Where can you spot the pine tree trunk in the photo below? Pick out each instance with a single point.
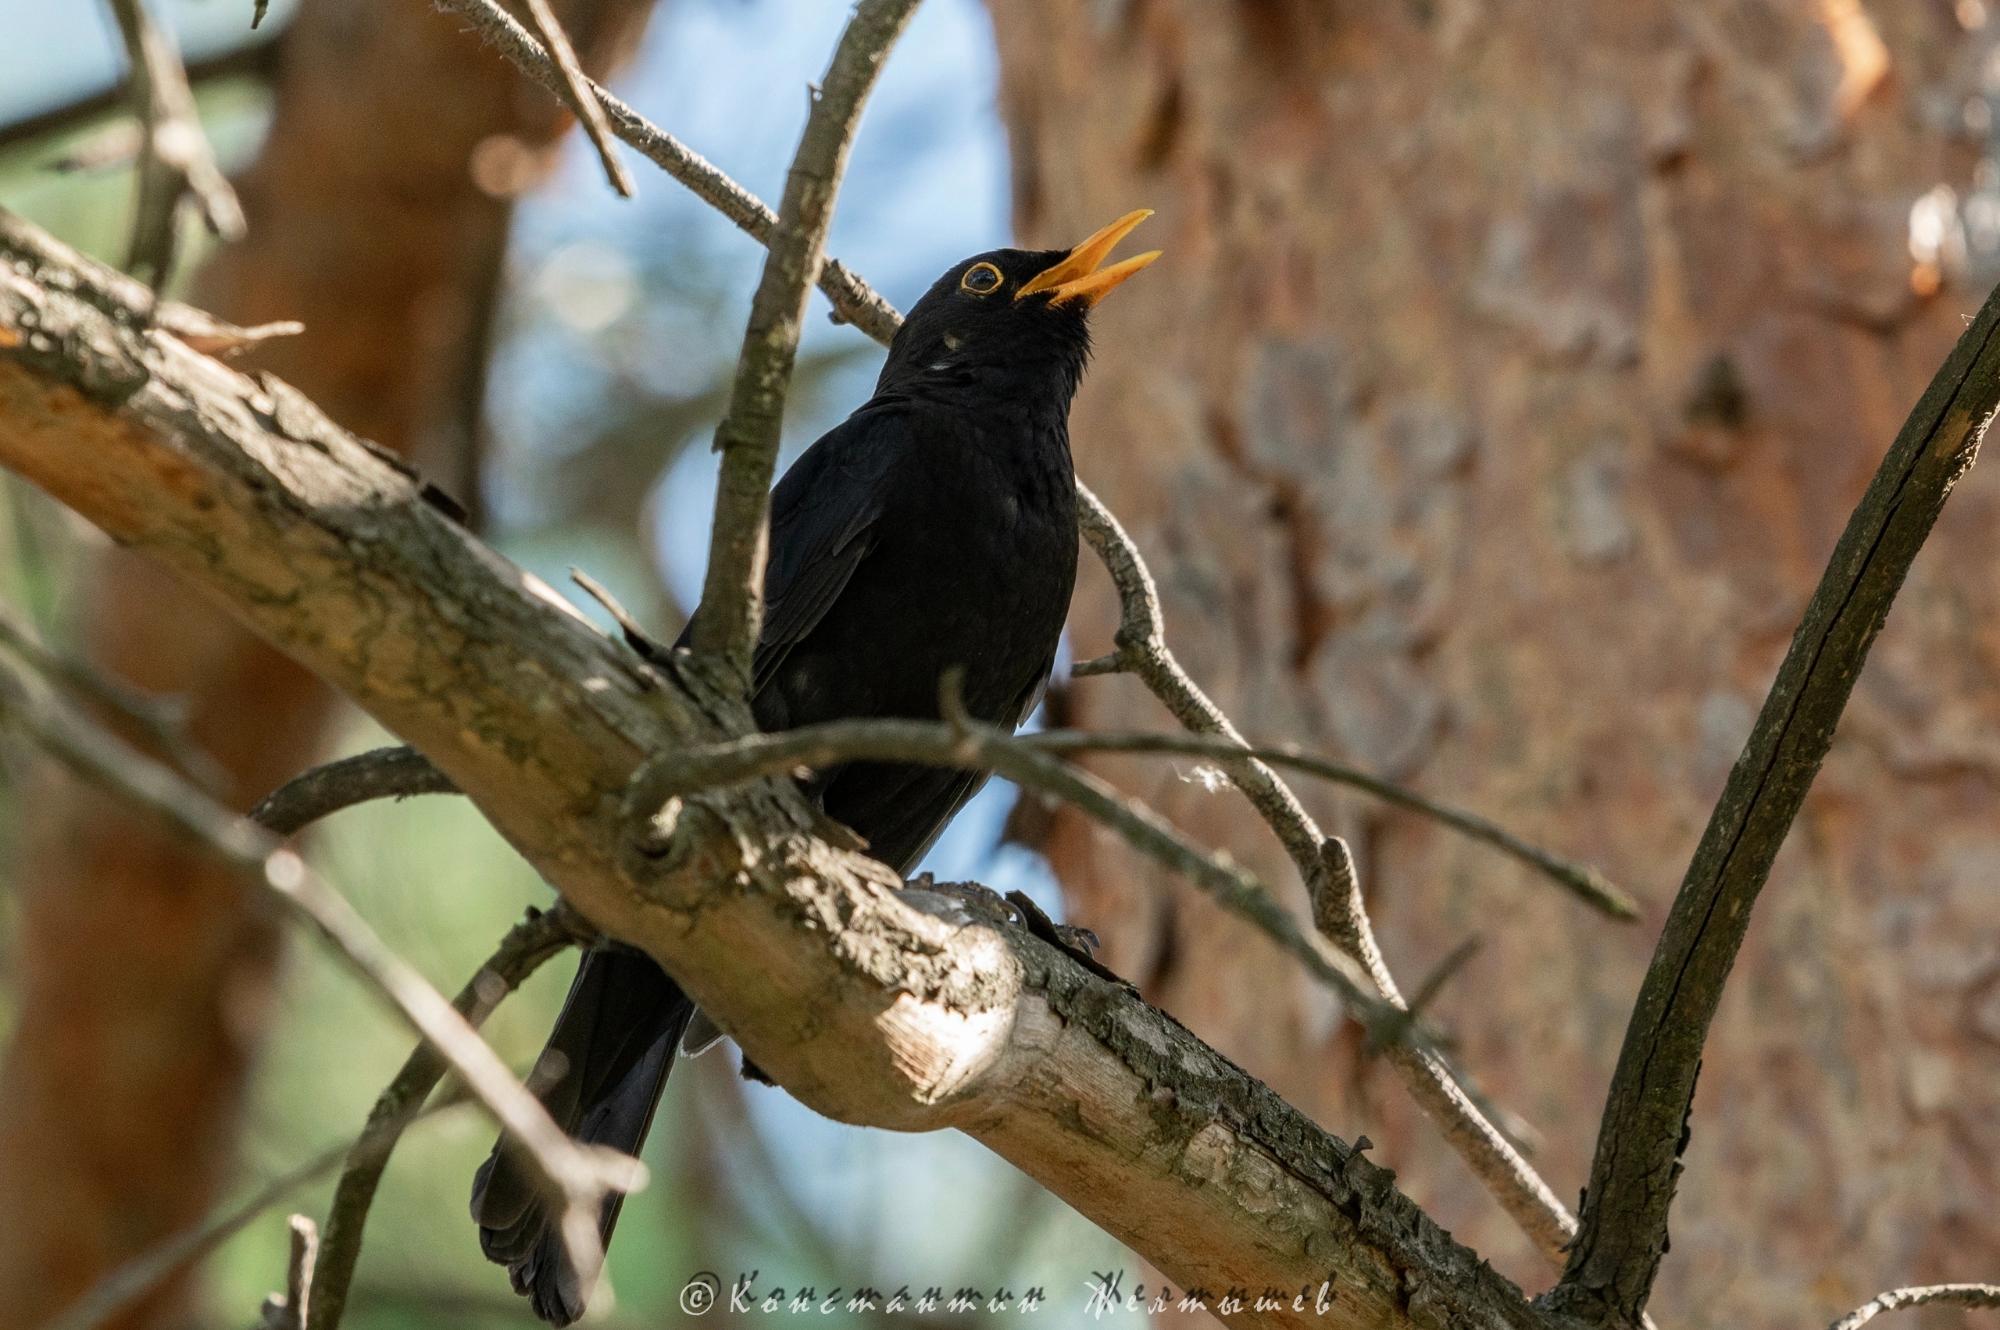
(1509, 375)
(378, 215)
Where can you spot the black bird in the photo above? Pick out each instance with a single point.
(934, 528)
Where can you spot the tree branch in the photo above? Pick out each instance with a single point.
(287, 1310)
(677, 773)
(123, 1287)
(1338, 906)
(854, 301)
(1644, 1129)
(732, 595)
(863, 1006)
(162, 720)
(175, 159)
(1896, 1299)
(1581, 880)
(579, 1175)
(255, 59)
(396, 772)
(530, 943)
(122, 298)
(574, 90)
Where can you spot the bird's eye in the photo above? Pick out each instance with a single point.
(981, 279)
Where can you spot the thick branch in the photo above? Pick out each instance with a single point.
(732, 600)
(861, 1005)
(1639, 1141)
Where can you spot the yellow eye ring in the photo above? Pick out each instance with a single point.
(981, 279)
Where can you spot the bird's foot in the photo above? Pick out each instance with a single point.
(969, 902)
(980, 904)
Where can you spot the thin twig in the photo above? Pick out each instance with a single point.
(395, 772)
(816, 745)
(531, 942)
(580, 1176)
(970, 744)
(287, 1310)
(163, 720)
(116, 295)
(732, 599)
(574, 89)
(1644, 1129)
(1327, 869)
(175, 160)
(854, 301)
(1586, 883)
(1896, 1299)
(126, 1285)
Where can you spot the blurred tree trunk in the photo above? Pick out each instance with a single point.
(1510, 373)
(378, 215)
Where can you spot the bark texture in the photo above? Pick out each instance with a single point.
(1510, 374)
(378, 214)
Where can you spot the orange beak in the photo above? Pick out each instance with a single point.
(1077, 276)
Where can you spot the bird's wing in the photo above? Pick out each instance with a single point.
(823, 516)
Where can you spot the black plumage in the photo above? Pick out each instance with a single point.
(934, 528)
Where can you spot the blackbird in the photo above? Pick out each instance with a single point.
(934, 528)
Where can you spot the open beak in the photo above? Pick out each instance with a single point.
(1077, 276)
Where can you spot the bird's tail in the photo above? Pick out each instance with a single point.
(606, 1063)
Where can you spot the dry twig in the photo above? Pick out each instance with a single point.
(536, 939)
(1896, 1299)
(396, 772)
(732, 595)
(126, 1285)
(854, 301)
(175, 159)
(1327, 869)
(163, 720)
(579, 1175)
(117, 295)
(287, 1310)
(574, 89)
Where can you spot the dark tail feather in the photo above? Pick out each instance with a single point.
(608, 1059)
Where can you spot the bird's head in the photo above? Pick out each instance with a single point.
(1011, 319)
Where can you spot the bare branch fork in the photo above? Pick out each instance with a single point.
(394, 772)
(580, 1176)
(175, 159)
